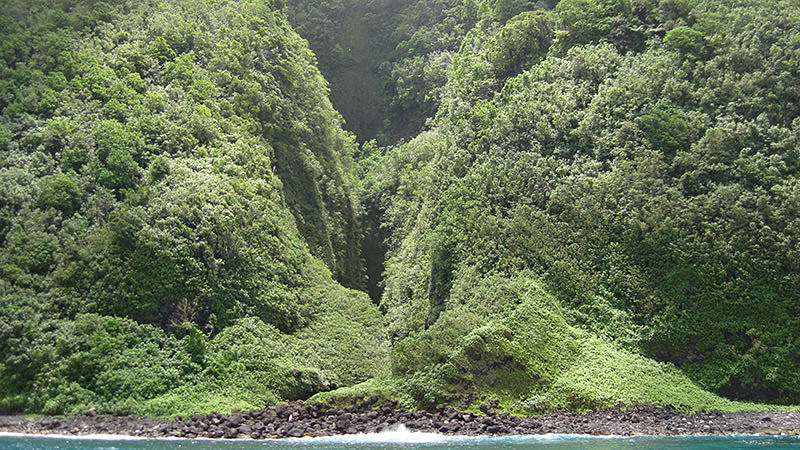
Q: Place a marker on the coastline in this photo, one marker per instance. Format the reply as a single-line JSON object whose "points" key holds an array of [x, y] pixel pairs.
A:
{"points": [[296, 420]]}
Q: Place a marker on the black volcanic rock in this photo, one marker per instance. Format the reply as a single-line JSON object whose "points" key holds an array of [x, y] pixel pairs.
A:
{"points": [[297, 420]]}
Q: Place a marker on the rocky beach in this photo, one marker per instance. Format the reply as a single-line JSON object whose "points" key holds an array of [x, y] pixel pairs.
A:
{"points": [[370, 415]]}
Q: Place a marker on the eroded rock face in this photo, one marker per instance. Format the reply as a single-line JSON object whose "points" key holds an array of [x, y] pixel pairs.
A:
{"points": [[298, 419]]}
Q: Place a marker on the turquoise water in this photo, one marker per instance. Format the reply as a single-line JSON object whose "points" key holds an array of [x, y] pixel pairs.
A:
{"points": [[409, 440]]}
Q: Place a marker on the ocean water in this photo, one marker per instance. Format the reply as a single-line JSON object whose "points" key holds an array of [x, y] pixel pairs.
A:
{"points": [[404, 439]]}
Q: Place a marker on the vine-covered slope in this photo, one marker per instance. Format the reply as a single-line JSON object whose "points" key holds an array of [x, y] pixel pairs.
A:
{"points": [[636, 161], [172, 172], [598, 204]]}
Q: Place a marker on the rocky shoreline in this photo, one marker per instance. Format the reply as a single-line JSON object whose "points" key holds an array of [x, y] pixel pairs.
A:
{"points": [[369, 416]]}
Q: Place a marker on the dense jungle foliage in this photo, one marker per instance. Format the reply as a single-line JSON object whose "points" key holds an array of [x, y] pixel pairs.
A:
{"points": [[636, 161], [387, 60], [175, 211], [569, 205]]}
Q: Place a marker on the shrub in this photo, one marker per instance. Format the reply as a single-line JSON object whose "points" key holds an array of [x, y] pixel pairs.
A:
{"points": [[60, 192]]}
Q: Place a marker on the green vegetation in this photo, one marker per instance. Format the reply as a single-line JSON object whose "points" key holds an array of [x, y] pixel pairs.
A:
{"points": [[173, 180], [566, 206], [388, 59], [642, 169], [508, 339]]}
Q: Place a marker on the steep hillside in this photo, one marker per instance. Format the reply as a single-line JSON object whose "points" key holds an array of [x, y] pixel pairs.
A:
{"points": [[172, 173], [387, 60], [572, 206], [635, 163], [350, 43]]}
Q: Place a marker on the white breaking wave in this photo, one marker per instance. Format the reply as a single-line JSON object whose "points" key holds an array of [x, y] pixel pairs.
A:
{"points": [[402, 435], [397, 435], [90, 437]]}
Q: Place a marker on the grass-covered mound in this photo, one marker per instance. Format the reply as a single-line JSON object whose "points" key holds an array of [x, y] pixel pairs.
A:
{"points": [[504, 341], [175, 212]]}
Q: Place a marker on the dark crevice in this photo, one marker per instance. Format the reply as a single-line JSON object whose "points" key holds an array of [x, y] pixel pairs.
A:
{"points": [[373, 252]]}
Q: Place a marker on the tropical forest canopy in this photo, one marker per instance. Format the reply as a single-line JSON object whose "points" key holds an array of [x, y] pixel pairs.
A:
{"points": [[572, 205]]}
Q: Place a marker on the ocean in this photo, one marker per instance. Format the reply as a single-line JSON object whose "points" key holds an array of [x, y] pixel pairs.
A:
{"points": [[403, 439]]}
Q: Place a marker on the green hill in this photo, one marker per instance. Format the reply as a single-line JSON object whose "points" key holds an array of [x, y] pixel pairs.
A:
{"points": [[638, 162], [568, 206], [178, 167]]}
